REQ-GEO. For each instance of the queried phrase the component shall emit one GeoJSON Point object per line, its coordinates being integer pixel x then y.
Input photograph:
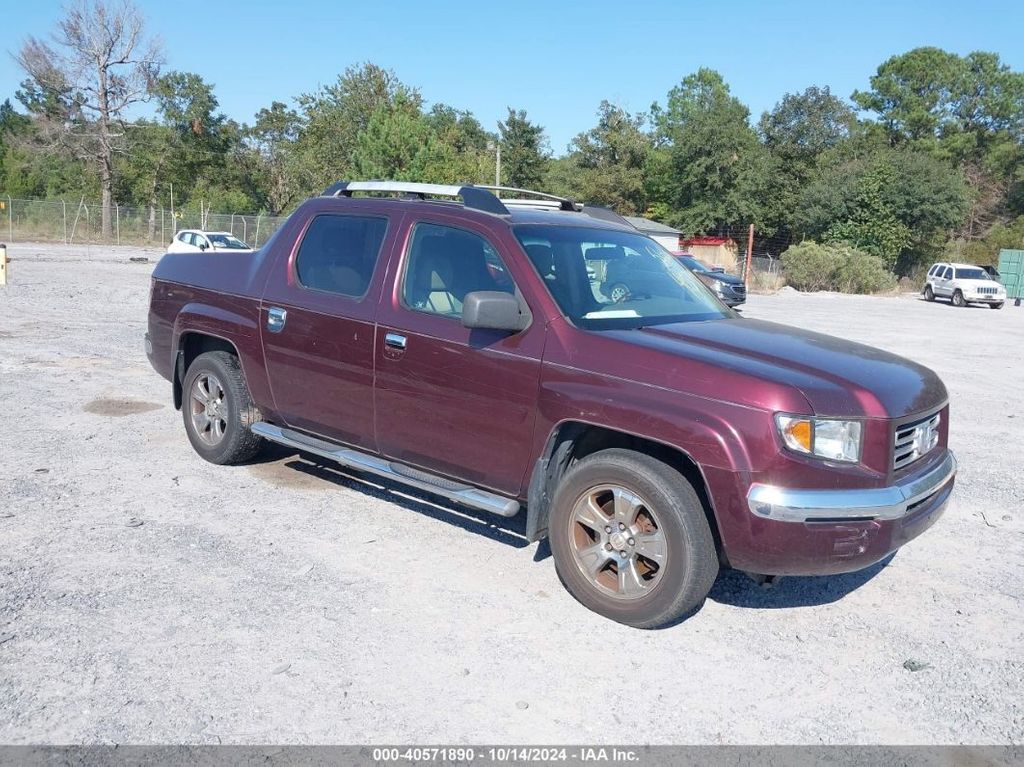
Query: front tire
{"type": "Point", "coordinates": [958, 299]}
{"type": "Point", "coordinates": [618, 293]}
{"type": "Point", "coordinates": [218, 410]}
{"type": "Point", "coordinates": [630, 539]}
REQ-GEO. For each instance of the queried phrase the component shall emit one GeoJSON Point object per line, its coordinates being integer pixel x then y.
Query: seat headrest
{"type": "Point", "coordinates": [434, 264]}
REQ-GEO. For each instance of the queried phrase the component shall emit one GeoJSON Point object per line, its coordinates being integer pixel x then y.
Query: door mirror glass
{"type": "Point", "coordinates": [493, 310]}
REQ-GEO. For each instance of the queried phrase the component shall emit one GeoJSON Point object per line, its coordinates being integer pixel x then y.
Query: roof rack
{"type": "Point", "coordinates": [540, 199]}
{"type": "Point", "coordinates": [474, 197]}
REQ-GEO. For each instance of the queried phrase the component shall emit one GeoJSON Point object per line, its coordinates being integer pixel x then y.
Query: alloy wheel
{"type": "Point", "coordinates": [617, 542]}
{"type": "Point", "coordinates": [208, 408]}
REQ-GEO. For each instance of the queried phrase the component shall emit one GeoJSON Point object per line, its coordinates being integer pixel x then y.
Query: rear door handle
{"type": "Point", "coordinates": [276, 318]}
{"type": "Point", "coordinates": [394, 340]}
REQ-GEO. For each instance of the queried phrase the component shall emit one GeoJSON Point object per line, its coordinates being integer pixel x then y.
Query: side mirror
{"type": "Point", "coordinates": [493, 310]}
{"type": "Point", "coordinates": [203, 246]}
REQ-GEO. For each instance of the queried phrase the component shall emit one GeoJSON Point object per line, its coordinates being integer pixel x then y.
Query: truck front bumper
{"type": "Point", "coordinates": [886, 503]}
{"type": "Point", "coordinates": [790, 531]}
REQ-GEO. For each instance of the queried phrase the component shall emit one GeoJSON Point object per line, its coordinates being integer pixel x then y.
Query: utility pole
{"type": "Point", "coordinates": [496, 147]}
{"type": "Point", "coordinates": [750, 252]}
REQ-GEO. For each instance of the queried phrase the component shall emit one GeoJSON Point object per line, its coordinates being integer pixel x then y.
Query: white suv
{"type": "Point", "coordinates": [963, 284]}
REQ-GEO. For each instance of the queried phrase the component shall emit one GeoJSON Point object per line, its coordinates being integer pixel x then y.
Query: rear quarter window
{"type": "Point", "coordinates": [339, 254]}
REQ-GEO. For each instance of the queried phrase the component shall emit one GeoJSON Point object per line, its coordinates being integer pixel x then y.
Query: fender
{"type": "Point", "coordinates": [682, 424]}
{"type": "Point", "coordinates": [236, 325]}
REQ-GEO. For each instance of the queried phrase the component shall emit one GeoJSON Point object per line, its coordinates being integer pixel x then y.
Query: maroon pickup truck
{"type": "Point", "coordinates": [463, 343]}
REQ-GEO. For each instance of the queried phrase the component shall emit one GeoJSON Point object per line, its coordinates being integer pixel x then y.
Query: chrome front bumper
{"type": "Point", "coordinates": [793, 505]}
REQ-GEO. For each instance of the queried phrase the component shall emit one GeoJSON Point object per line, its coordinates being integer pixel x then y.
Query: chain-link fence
{"type": "Point", "coordinates": [79, 222]}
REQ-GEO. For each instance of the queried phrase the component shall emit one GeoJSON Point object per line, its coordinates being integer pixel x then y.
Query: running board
{"type": "Point", "coordinates": [354, 459]}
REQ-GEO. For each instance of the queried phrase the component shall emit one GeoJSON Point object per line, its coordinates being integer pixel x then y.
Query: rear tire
{"type": "Point", "coordinates": [929, 295]}
{"type": "Point", "coordinates": [218, 410]}
{"type": "Point", "coordinates": [630, 539]}
{"type": "Point", "coordinates": [958, 299]}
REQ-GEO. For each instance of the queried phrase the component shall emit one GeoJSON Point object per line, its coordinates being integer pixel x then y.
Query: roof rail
{"type": "Point", "coordinates": [563, 203]}
{"type": "Point", "coordinates": [475, 197]}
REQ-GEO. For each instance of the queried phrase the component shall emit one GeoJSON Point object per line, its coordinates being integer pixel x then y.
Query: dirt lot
{"type": "Point", "coordinates": [146, 596]}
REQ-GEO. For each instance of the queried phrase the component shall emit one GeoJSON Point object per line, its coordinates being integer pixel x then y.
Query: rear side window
{"type": "Point", "coordinates": [948, 274]}
{"type": "Point", "coordinates": [338, 254]}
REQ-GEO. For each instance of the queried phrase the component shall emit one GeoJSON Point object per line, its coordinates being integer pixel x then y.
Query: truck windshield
{"type": "Point", "coordinates": [610, 279]}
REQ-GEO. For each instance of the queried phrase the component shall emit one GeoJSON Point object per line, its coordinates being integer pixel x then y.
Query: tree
{"type": "Point", "coordinates": [523, 150]}
{"type": "Point", "coordinates": [709, 171]}
{"type": "Point", "coordinates": [390, 145]}
{"type": "Point", "coordinates": [334, 117]}
{"type": "Point", "coordinates": [803, 125]}
{"type": "Point", "coordinates": [899, 204]}
{"type": "Point", "coordinates": [796, 132]}
{"type": "Point", "coordinates": [101, 65]}
{"type": "Point", "coordinates": [968, 110]}
{"type": "Point", "coordinates": [273, 138]}
{"type": "Point", "coordinates": [606, 164]}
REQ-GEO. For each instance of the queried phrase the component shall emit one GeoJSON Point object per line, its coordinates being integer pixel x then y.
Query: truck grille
{"type": "Point", "coordinates": [988, 291]}
{"type": "Point", "coordinates": [913, 440]}
{"type": "Point", "coordinates": [740, 290]}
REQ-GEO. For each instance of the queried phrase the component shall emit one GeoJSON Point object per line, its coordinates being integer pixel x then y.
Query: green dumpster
{"type": "Point", "coordinates": [1011, 271]}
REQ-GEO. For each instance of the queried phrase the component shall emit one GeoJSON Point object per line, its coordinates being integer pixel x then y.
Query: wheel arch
{"type": "Point", "coordinates": [570, 441]}
{"type": "Point", "coordinates": [192, 343]}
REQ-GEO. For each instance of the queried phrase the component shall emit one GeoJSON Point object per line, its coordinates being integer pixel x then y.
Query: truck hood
{"type": "Point", "coordinates": [835, 376]}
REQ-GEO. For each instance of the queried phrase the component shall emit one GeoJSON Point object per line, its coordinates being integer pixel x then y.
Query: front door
{"type": "Point", "coordinates": [317, 320]}
{"type": "Point", "coordinates": [452, 400]}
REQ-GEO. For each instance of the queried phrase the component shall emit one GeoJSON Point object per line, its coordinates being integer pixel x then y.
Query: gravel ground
{"type": "Point", "coordinates": [149, 597]}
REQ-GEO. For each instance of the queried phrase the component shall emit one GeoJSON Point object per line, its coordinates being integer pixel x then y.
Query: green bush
{"type": "Point", "coordinates": [835, 266]}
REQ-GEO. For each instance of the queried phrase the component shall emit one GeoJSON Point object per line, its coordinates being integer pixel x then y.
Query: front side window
{"type": "Point", "coordinates": [610, 279]}
{"type": "Point", "coordinates": [338, 254]}
{"type": "Point", "coordinates": [444, 264]}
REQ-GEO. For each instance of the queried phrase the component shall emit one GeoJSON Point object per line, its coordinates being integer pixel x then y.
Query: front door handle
{"type": "Point", "coordinates": [394, 340]}
{"type": "Point", "coordinates": [275, 319]}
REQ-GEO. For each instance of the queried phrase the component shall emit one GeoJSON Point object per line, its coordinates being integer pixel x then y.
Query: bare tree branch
{"type": "Point", "coordinates": [98, 63]}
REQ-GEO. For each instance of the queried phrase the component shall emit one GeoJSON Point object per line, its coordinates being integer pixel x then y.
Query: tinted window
{"type": "Point", "coordinates": [971, 274]}
{"type": "Point", "coordinates": [948, 274]}
{"type": "Point", "coordinates": [444, 264]}
{"type": "Point", "coordinates": [338, 253]}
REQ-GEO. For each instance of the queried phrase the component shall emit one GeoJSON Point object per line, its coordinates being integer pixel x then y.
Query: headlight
{"type": "Point", "coordinates": [823, 437]}
{"type": "Point", "coordinates": [716, 285]}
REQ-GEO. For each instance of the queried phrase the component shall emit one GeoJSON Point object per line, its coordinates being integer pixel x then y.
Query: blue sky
{"type": "Point", "coordinates": [555, 59]}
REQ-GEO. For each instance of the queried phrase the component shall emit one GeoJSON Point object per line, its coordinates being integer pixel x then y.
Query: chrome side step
{"type": "Point", "coordinates": [465, 494]}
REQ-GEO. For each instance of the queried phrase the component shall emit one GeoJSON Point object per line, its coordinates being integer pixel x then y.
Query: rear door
{"type": "Point", "coordinates": [943, 281]}
{"type": "Point", "coordinates": [452, 400]}
{"type": "Point", "coordinates": [317, 320]}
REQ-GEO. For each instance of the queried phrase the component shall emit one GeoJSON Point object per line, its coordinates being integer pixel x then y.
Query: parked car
{"type": "Point", "coordinates": [197, 241]}
{"type": "Point", "coordinates": [963, 284]}
{"type": "Point", "coordinates": [992, 272]}
{"type": "Point", "coordinates": [728, 287]}
{"type": "Point", "coordinates": [451, 341]}
{"type": "Point", "coordinates": [629, 274]}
